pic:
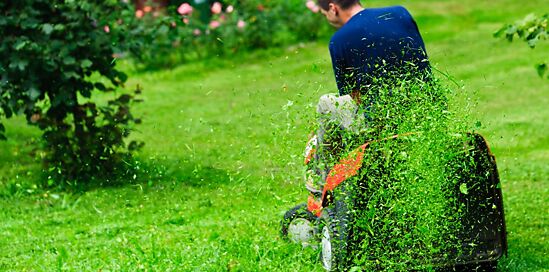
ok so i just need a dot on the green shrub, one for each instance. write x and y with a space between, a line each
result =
53 56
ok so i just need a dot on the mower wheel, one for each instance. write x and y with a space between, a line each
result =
299 225
480 267
334 237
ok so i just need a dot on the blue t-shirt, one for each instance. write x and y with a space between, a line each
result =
373 43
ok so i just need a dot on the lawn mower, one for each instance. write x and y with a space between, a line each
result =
326 219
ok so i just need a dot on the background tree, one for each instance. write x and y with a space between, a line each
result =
531 29
53 55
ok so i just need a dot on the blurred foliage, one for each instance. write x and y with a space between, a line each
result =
173 36
531 30
53 56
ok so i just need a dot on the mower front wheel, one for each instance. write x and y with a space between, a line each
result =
299 225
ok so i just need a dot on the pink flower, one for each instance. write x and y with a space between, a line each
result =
216 8
147 9
197 32
214 24
240 24
107 29
311 5
229 9
185 9
185 20
139 13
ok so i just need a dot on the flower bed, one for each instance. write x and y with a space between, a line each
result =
188 31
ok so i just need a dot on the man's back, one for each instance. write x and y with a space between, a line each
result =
373 43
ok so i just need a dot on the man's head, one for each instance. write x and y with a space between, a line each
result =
337 11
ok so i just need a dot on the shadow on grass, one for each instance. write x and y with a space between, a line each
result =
184 172
138 171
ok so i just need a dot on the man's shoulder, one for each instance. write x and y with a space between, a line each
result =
393 9
366 18
388 12
348 30
340 36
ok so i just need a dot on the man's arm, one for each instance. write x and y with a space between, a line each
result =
355 94
345 77
343 74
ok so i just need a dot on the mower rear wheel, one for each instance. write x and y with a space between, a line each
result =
335 237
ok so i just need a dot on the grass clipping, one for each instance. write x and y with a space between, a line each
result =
405 202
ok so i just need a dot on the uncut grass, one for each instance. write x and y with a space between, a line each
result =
194 222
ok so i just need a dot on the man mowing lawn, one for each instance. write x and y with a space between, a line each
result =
393 197
371 46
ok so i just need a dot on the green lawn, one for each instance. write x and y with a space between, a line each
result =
223 146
